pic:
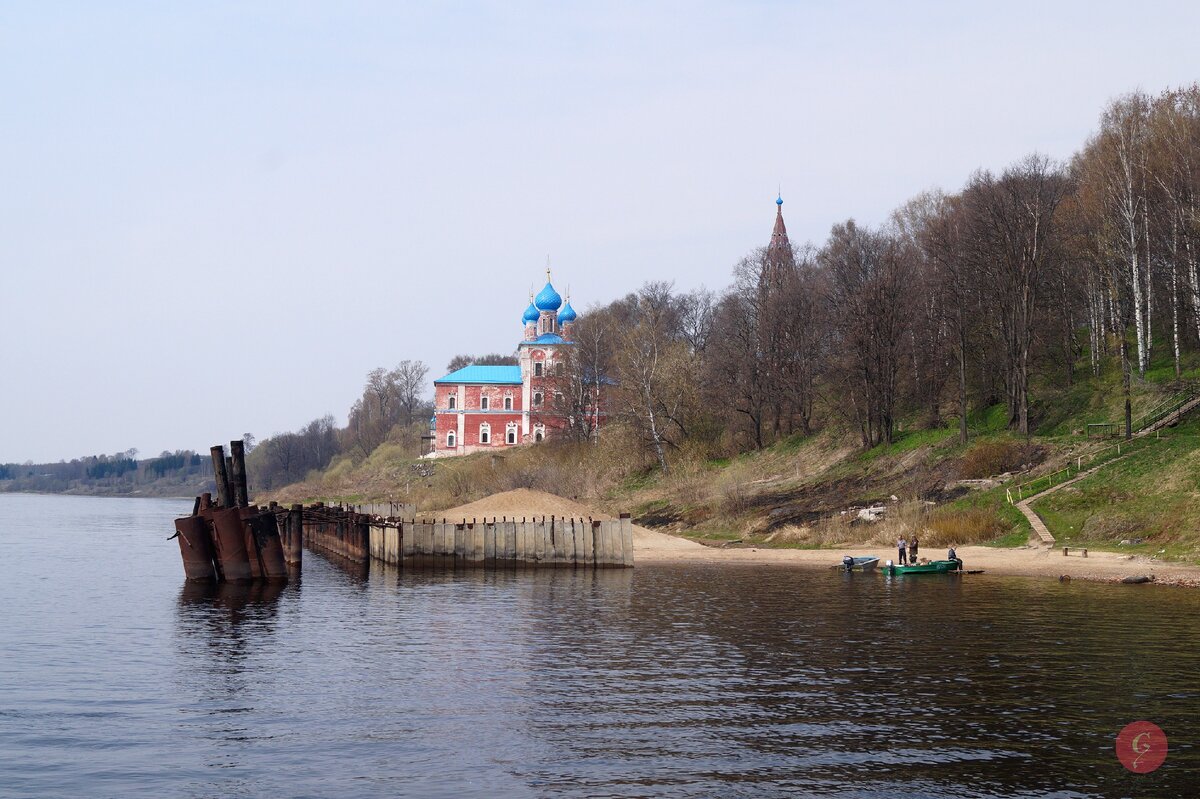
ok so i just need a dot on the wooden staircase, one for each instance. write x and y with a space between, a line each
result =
1166 416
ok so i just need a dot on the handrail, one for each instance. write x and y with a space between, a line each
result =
1030 488
1163 409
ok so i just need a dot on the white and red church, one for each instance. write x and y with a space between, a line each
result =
480 408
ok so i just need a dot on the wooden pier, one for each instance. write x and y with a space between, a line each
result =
232 541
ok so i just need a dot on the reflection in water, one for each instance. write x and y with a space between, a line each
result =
680 681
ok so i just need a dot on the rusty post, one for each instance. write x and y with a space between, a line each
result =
221 476
270 549
237 474
294 551
195 549
253 553
364 539
205 502
230 541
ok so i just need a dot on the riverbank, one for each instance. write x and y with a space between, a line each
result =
1107 567
652 546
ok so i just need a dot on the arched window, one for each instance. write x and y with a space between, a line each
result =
484 402
510 435
450 439
537 435
537 369
485 433
508 402
452 403
537 400
558 398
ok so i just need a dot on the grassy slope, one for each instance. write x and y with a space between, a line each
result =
793 494
1153 494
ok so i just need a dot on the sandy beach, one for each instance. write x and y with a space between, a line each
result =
1020 562
651 546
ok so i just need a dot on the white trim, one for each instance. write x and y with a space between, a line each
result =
485 432
451 439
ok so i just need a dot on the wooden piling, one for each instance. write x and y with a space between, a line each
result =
293 551
237 475
626 540
224 497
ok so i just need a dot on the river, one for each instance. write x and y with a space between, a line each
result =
116 679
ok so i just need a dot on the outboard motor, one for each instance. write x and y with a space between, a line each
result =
848 562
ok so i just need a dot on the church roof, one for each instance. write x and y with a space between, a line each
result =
531 313
490 375
779 258
547 299
547 338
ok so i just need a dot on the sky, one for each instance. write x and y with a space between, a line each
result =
216 218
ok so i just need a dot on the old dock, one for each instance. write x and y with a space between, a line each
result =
230 540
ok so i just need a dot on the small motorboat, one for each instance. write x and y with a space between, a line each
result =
933 567
863 563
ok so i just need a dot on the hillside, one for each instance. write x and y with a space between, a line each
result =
807 492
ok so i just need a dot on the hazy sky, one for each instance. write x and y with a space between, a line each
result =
217 217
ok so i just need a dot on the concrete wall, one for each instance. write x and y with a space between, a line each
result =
544 542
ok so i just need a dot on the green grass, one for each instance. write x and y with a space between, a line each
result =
908 441
1153 494
992 419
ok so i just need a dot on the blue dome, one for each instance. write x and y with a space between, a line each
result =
779 200
547 299
531 314
566 314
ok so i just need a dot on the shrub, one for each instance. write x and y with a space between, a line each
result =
996 457
969 526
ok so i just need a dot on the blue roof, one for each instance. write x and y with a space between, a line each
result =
504 375
567 313
531 314
547 338
547 299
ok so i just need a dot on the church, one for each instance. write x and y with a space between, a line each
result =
479 408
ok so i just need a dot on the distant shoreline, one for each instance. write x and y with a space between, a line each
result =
94 494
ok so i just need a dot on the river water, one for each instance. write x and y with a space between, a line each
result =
116 679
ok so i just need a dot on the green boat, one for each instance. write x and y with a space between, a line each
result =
933 567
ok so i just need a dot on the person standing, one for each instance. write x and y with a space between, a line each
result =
912 550
902 549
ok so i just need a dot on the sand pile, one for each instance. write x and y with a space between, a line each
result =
521 502
524 502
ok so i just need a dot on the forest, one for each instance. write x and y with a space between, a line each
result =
178 473
1001 294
